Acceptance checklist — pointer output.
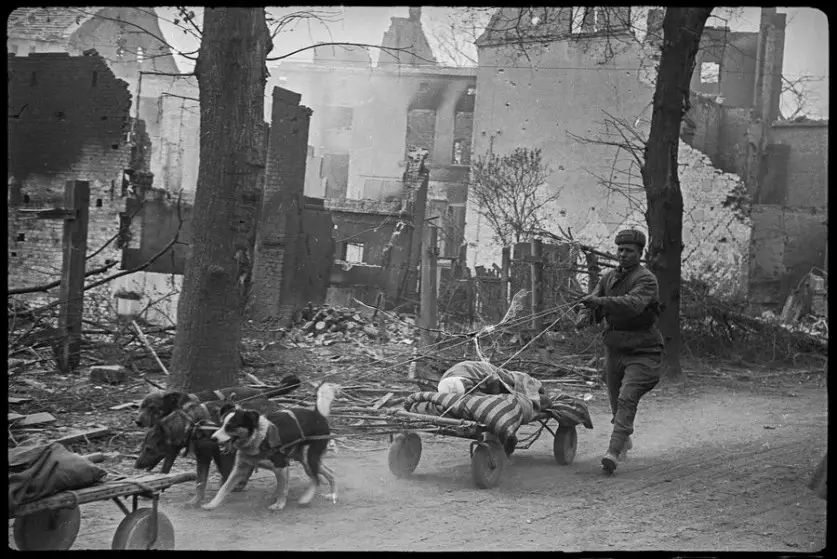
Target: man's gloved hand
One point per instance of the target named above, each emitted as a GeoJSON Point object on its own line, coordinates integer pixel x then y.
{"type": "Point", "coordinates": [591, 301]}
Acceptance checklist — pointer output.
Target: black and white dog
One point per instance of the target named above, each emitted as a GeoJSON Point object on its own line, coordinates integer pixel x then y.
{"type": "Point", "coordinates": [278, 437]}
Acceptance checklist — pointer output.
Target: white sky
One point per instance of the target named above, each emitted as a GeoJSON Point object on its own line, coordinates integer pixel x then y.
{"type": "Point", "coordinates": [806, 39]}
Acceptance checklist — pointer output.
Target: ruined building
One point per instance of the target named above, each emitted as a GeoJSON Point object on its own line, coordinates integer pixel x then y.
{"type": "Point", "coordinates": [365, 120]}
{"type": "Point", "coordinates": [127, 40]}
{"type": "Point", "coordinates": [552, 93]}
{"type": "Point", "coordinates": [69, 119]}
{"type": "Point", "coordinates": [735, 121]}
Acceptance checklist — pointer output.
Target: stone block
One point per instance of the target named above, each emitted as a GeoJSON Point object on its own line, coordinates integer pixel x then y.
{"type": "Point", "coordinates": [108, 374]}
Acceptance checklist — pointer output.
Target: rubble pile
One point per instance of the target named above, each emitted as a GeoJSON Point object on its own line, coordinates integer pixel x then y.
{"type": "Point", "coordinates": [327, 325]}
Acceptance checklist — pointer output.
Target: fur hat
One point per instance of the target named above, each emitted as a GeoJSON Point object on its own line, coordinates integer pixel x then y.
{"type": "Point", "coordinates": [631, 236]}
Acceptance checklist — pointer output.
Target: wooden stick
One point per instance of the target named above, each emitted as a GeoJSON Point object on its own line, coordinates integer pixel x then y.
{"type": "Point", "coordinates": [255, 380]}
{"type": "Point", "coordinates": [148, 345]}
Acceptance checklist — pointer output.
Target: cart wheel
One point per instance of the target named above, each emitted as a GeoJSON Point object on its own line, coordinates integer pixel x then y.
{"type": "Point", "coordinates": [487, 462]}
{"type": "Point", "coordinates": [564, 445]}
{"type": "Point", "coordinates": [404, 454]}
{"type": "Point", "coordinates": [134, 532]}
{"type": "Point", "coordinates": [53, 530]}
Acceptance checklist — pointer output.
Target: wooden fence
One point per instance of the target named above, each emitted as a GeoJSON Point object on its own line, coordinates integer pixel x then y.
{"type": "Point", "coordinates": [553, 273]}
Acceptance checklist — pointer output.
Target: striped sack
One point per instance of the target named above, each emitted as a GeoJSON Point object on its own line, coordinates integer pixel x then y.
{"type": "Point", "coordinates": [568, 410]}
{"type": "Point", "coordinates": [502, 414]}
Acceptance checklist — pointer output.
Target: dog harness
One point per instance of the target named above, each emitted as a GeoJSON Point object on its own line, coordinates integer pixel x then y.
{"type": "Point", "coordinates": [301, 438]}
{"type": "Point", "coordinates": [195, 426]}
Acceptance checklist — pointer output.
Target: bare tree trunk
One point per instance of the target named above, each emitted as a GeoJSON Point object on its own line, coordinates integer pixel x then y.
{"type": "Point", "coordinates": [231, 75]}
{"type": "Point", "coordinates": [682, 29]}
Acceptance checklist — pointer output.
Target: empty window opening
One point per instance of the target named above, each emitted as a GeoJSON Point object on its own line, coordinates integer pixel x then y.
{"type": "Point", "coordinates": [353, 252]}
{"type": "Point", "coordinates": [124, 236]}
{"type": "Point", "coordinates": [471, 91]}
{"type": "Point", "coordinates": [458, 152]}
{"type": "Point", "coordinates": [421, 129]}
{"type": "Point", "coordinates": [95, 78]}
{"type": "Point", "coordinates": [14, 253]}
{"type": "Point", "coordinates": [127, 176]}
{"type": "Point", "coordinates": [710, 72]}
{"type": "Point", "coordinates": [114, 146]}
{"type": "Point", "coordinates": [98, 202]}
{"type": "Point", "coordinates": [21, 236]}
{"type": "Point", "coordinates": [140, 55]}
{"type": "Point", "coordinates": [25, 198]}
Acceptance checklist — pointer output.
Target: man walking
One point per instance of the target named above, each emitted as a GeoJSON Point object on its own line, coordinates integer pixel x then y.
{"type": "Point", "coordinates": [627, 298]}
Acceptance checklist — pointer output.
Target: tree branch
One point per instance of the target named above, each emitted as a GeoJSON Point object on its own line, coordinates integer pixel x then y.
{"type": "Point", "coordinates": [53, 284]}
{"type": "Point", "coordinates": [132, 24]}
{"type": "Point", "coordinates": [343, 44]}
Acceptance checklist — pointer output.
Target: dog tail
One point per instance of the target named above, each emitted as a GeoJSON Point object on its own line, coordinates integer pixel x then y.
{"type": "Point", "coordinates": [288, 384]}
{"type": "Point", "coordinates": [325, 396]}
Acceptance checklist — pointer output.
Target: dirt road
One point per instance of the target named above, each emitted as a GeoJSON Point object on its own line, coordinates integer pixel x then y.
{"type": "Point", "coordinates": [712, 469]}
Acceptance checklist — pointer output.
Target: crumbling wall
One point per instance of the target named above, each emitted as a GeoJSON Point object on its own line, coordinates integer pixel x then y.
{"type": "Point", "coordinates": [367, 223]}
{"type": "Point", "coordinates": [716, 238]}
{"type": "Point", "coordinates": [528, 103]}
{"type": "Point", "coordinates": [806, 172]}
{"type": "Point", "coordinates": [275, 294]}
{"type": "Point", "coordinates": [786, 244]}
{"type": "Point", "coordinates": [68, 120]}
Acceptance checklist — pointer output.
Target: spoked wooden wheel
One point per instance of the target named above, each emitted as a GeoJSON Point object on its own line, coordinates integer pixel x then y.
{"type": "Point", "coordinates": [487, 462]}
{"type": "Point", "coordinates": [135, 531]}
{"type": "Point", "coordinates": [47, 530]}
{"type": "Point", "coordinates": [404, 454]}
{"type": "Point", "coordinates": [564, 445]}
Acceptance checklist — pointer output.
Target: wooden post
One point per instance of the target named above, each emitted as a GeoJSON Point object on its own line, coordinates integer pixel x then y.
{"type": "Point", "coordinates": [428, 283]}
{"type": "Point", "coordinates": [77, 201]}
{"type": "Point", "coordinates": [593, 270]}
{"type": "Point", "coordinates": [505, 277]}
{"type": "Point", "coordinates": [536, 250]}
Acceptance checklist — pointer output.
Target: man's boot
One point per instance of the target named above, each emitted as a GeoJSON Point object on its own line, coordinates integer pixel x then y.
{"type": "Point", "coordinates": [609, 462]}
{"type": "Point", "coordinates": [611, 459]}
{"type": "Point", "coordinates": [627, 446]}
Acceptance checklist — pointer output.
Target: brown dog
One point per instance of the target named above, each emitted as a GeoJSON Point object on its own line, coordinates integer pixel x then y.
{"type": "Point", "coordinates": [191, 427]}
{"type": "Point", "coordinates": [158, 404]}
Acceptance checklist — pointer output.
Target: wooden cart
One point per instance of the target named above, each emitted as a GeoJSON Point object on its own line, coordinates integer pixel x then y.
{"type": "Point", "coordinates": [488, 457]}
{"type": "Point", "coordinates": [52, 523]}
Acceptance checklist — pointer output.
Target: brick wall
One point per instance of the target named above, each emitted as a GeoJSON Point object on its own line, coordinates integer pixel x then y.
{"type": "Point", "coordinates": [371, 224]}
{"type": "Point", "coordinates": [68, 121]}
{"type": "Point", "coordinates": [807, 165]}
{"type": "Point", "coordinates": [786, 244]}
{"type": "Point", "coordinates": [276, 295]}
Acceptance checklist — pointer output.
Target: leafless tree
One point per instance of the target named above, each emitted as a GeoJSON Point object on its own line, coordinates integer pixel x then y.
{"type": "Point", "coordinates": [670, 50]}
{"type": "Point", "coordinates": [797, 98]}
{"type": "Point", "coordinates": [231, 72]}
{"type": "Point", "coordinates": [510, 192]}
{"type": "Point", "coordinates": [453, 36]}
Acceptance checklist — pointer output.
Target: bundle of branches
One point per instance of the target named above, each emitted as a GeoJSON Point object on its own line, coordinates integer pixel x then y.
{"type": "Point", "coordinates": [717, 327]}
